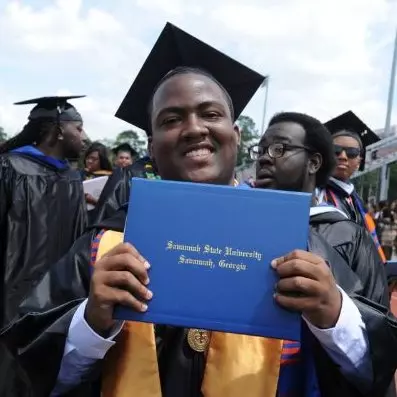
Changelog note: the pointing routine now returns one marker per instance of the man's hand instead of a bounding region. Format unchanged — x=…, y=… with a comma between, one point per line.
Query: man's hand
x=308, y=286
x=120, y=277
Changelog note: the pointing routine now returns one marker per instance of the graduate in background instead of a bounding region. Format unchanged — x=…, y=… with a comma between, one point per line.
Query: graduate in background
x=350, y=137
x=125, y=155
x=96, y=165
x=116, y=192
x=296, y=153
x=96, y=162
x=42, y=209
x=194, y=139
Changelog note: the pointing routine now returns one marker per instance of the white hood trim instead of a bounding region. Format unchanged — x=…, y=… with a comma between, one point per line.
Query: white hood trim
x=322, y=209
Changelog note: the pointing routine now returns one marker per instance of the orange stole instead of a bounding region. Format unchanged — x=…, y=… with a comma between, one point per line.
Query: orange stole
x=236, y=365
x=371, y=227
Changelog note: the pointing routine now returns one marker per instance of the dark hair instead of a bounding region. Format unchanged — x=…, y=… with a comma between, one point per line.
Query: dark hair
x=191, y=70
x=350, y=134
x=126, y=148
x=318, y=138
x=33, y=132
x=102, y=150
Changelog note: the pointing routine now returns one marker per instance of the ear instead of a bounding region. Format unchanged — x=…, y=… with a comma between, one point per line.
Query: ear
x=59, y=130
x=315, y=163
x=238, y=133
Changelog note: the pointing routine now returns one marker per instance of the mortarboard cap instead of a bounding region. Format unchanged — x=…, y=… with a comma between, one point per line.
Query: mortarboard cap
x=124, y=147
x=350, y=122
x=175, y=48
x=54, y=108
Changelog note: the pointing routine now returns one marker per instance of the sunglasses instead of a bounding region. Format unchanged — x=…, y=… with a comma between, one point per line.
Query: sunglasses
x=351, y=152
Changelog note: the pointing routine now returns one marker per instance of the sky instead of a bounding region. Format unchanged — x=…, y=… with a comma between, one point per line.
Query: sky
x=323, y=57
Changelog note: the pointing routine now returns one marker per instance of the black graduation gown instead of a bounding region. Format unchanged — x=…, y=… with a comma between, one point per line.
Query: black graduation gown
x=357, y=248
x=117, y=189
x=42, y=212
x=341, y=197
x=181, y=370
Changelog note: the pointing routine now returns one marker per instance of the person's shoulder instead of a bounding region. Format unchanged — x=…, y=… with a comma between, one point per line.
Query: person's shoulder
x=16, y=162
x=339, y=230
x=350, y=229
x=10, y=157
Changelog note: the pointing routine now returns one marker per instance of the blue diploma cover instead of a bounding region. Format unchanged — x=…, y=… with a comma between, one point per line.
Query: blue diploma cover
x=210, y=249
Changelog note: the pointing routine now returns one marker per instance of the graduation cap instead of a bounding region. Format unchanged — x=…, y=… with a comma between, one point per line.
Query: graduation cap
x=351, y=123
x=175, y=48
x=54, y=108
x=124, y=147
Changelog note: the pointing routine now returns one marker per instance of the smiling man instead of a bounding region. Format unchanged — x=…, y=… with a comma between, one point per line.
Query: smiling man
x=211, y=158
x=191, y=117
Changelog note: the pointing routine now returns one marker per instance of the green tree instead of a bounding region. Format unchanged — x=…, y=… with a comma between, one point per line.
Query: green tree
x=134, y=138
x=249, y=136
x=109, y=143
x=367, y=185
x=3, y=135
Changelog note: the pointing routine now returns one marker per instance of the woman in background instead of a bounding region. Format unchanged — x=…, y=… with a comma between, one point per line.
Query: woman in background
x=96, y=164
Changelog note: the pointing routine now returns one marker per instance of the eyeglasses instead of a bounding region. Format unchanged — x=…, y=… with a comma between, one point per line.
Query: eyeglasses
x=351, y=152
x=275, y=150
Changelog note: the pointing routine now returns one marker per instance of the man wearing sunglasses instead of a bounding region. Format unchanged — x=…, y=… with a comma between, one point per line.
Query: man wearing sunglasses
x=350, y=138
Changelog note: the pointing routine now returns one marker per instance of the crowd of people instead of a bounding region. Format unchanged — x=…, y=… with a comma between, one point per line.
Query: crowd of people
x=385, y=217
x=63, y=270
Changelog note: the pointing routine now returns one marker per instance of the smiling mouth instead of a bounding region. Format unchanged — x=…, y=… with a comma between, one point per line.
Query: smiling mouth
x=199, y=154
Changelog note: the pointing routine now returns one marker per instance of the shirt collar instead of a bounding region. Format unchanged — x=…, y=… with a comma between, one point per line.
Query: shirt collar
x=346, y=186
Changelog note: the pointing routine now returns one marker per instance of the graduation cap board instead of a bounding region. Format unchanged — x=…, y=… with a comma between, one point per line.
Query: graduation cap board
x=175, y=48
x=56, y=108
x=350, y=122
x=124, y=147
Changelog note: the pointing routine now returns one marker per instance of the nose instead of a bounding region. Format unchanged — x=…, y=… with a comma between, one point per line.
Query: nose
x=265, y=159
x=83, y=136
x=342, y=155
x=194, y=127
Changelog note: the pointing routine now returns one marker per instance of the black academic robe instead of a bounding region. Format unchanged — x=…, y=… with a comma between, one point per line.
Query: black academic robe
x=181, y=370
x=342, y=203
x=116, y=192
x=42, y=212
x=357, y=248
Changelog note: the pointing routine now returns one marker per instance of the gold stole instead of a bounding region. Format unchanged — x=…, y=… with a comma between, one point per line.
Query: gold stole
x=236, y=365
